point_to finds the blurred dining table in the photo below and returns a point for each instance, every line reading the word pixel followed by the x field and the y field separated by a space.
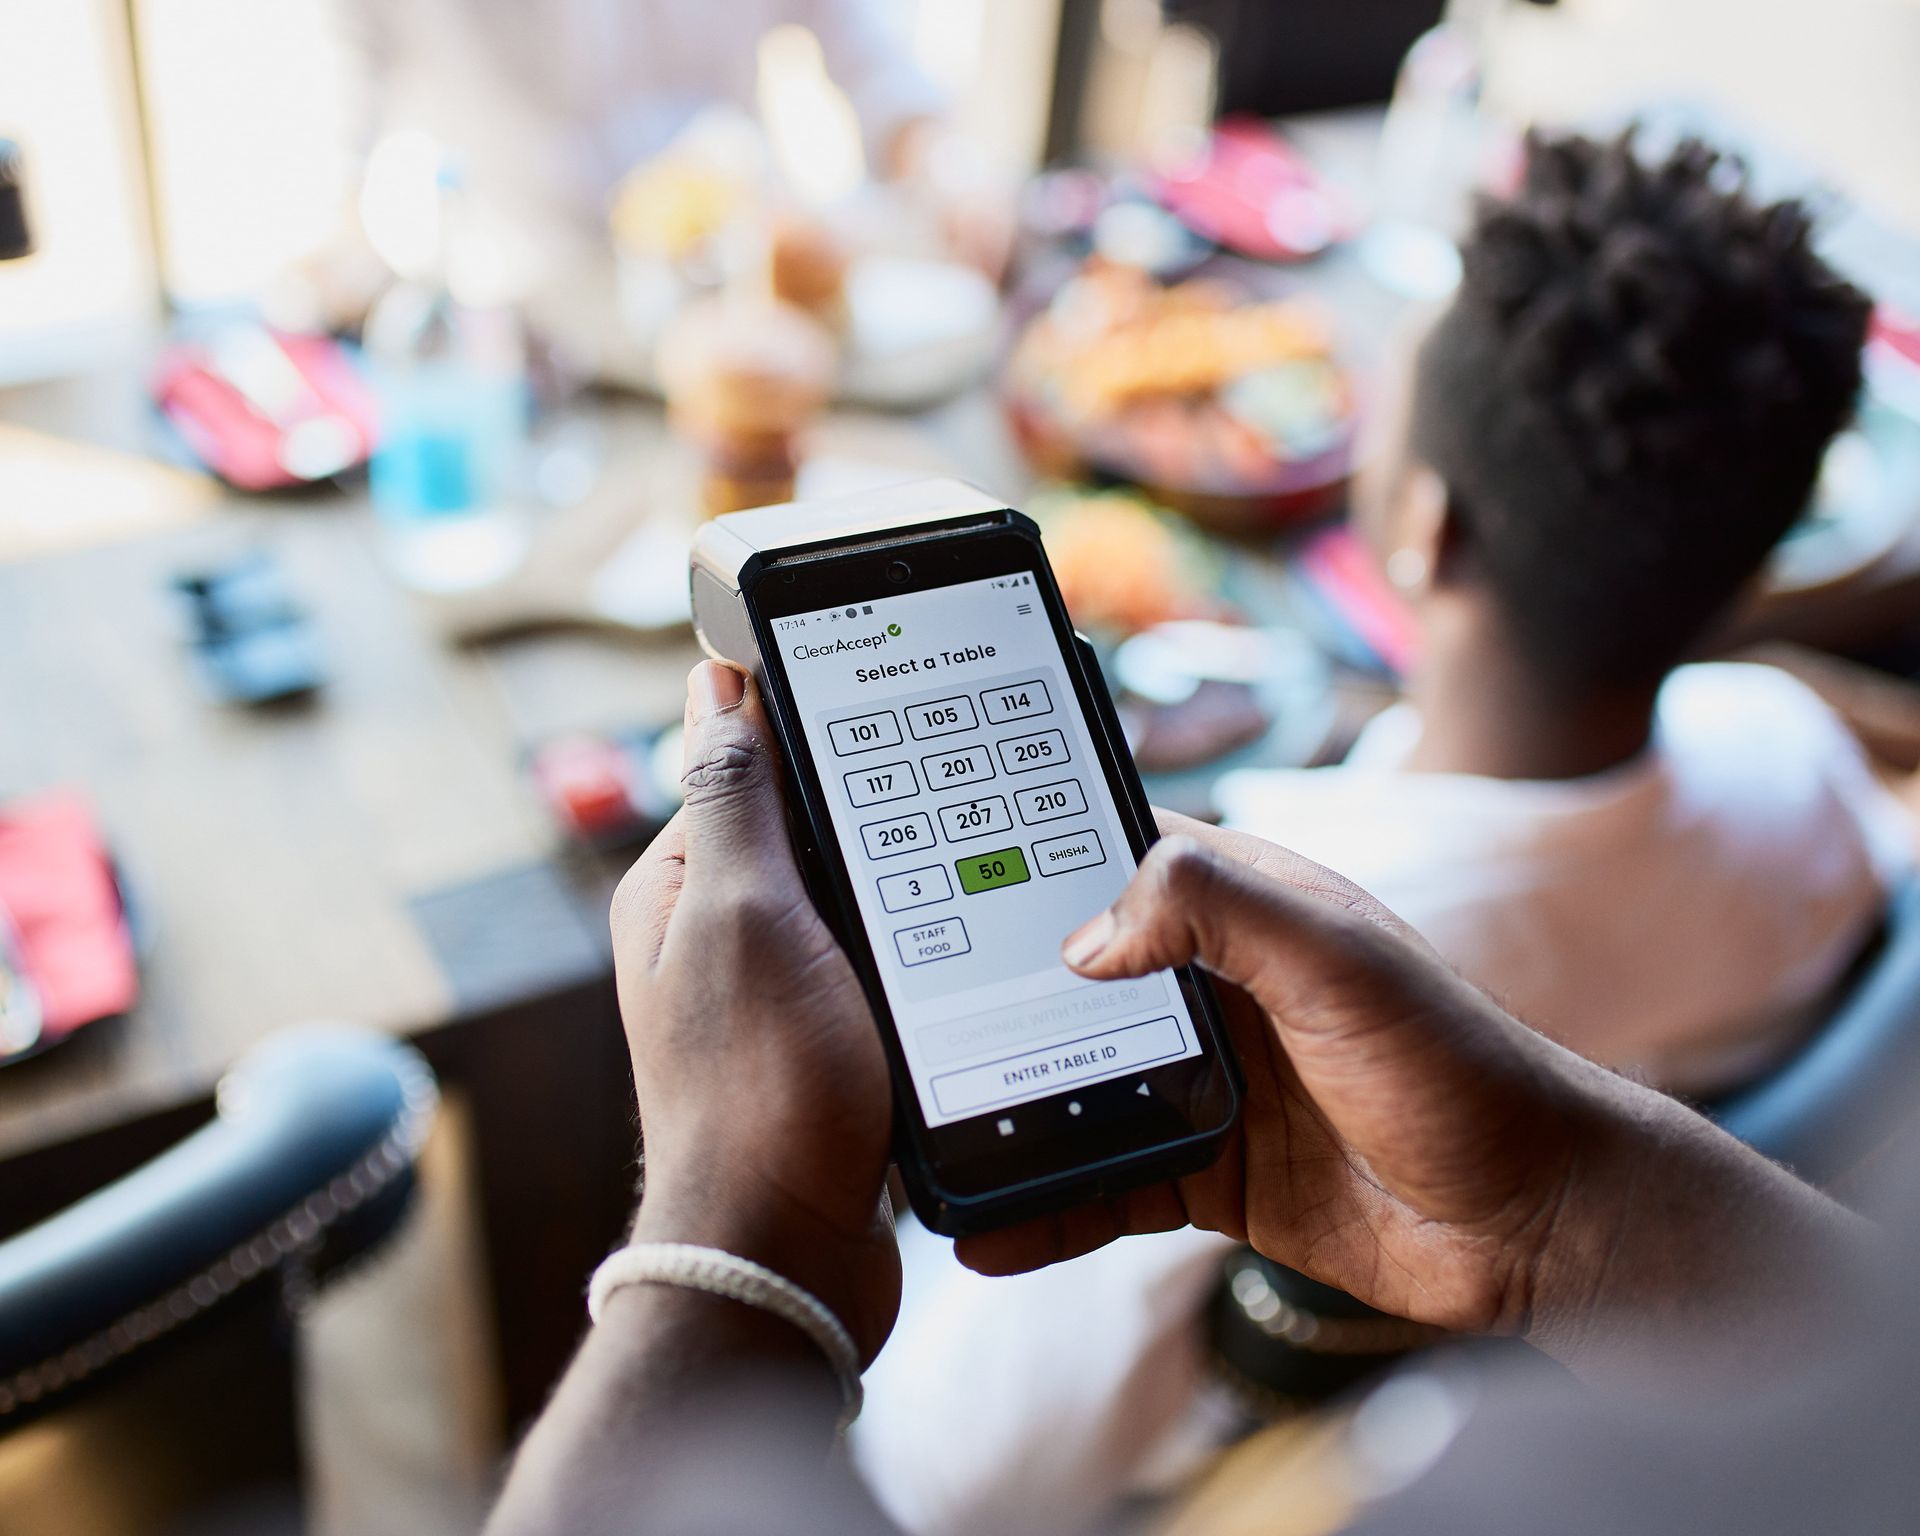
pixel 377 854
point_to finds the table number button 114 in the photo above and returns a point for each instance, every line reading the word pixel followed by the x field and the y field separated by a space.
pixel 1016 701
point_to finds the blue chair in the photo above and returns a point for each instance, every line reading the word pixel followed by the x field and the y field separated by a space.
pixel 146 1346
pixel 1832 1105
pixel 1822 1113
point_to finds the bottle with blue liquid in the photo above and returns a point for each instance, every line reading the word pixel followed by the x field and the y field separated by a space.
pixel 448 475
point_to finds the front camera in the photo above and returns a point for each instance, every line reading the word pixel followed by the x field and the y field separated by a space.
pixel 898 572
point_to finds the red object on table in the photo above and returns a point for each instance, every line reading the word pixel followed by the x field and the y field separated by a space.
pixel 1898 334
pixel 1254 193
pixel 57 887
pixel 588 783
pixel 1348 578
pixel 266 409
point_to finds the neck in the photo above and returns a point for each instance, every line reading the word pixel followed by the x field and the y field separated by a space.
pixel 1483 712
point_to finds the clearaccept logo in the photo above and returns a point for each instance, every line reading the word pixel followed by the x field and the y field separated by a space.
pixel 805 652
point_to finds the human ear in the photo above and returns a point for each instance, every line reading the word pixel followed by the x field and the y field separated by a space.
pixel 1422 530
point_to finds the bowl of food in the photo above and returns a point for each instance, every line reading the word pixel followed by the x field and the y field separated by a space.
pixel 1234 410
pixel 1124 564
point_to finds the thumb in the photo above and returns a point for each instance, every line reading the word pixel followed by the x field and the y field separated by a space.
pixel 735 815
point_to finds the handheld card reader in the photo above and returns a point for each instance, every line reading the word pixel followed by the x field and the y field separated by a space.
pixel 961 800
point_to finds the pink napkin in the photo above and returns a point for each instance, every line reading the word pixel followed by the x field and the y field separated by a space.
pixel 58 891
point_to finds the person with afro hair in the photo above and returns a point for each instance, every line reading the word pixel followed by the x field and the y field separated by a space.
pixel 1671 866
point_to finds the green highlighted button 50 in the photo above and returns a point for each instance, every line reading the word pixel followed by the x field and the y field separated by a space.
pixel 989 871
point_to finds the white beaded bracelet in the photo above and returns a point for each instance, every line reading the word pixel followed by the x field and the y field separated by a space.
pixel 719 1273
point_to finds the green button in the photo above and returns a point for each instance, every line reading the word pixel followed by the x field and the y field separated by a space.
pixel 989 871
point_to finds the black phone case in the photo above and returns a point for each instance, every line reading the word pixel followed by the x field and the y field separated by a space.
pixel 944 1210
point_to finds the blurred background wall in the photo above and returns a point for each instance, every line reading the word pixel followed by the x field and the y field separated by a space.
pixel 1837 81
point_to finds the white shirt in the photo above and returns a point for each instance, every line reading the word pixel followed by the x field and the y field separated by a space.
pixel 1686 914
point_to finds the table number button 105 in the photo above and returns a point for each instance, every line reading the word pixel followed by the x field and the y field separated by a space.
pixel 941 717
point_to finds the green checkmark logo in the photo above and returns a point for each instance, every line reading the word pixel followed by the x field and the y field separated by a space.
pixel 893 629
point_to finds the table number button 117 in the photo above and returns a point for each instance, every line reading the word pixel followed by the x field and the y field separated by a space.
pixel 880 783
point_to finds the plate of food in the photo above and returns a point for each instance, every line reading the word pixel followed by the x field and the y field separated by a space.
pixel 1125 565
pixel 1233 409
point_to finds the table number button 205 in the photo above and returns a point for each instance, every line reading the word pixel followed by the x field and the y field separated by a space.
pixel 1027 754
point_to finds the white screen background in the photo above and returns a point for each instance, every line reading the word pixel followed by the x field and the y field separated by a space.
pixel 964 766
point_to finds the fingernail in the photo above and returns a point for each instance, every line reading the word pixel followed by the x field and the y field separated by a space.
pixel 1087 942
pixel 713 689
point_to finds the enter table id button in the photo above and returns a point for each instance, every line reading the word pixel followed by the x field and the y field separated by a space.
pixel 1032 1074
pixel 1061 855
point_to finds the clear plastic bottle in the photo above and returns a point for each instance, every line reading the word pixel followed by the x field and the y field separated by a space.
pixel 1433 152
pixel 448 475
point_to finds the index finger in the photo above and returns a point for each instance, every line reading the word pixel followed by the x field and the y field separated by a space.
pixel 1289 868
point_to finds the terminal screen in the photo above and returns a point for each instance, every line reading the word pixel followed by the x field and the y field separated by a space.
pixel 978 830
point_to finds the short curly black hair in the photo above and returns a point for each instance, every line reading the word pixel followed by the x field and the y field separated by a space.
pixel 1629 397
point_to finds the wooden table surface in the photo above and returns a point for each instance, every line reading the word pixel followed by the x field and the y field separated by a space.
pixel 278 857
pixel 374 856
